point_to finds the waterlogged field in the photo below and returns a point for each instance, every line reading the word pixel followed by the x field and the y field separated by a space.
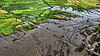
pixel 16 15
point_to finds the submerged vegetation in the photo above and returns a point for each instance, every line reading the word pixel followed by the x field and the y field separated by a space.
pixel 17 15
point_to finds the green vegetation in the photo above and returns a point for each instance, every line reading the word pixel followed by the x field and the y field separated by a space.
pixel 98 27
pixel 14 12
pixel 76 4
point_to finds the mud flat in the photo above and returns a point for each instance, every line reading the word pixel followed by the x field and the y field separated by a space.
pixel 54 38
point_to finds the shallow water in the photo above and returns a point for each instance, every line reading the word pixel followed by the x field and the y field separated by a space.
pixel 85 13
pixel 93 15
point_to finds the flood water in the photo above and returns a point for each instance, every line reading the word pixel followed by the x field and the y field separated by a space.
pixel 92 15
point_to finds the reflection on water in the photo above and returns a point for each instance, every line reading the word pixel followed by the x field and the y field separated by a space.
pixel 94 12
pixel 92 15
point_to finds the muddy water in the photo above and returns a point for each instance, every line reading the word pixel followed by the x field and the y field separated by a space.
pixel 53 38
pixel 92 15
